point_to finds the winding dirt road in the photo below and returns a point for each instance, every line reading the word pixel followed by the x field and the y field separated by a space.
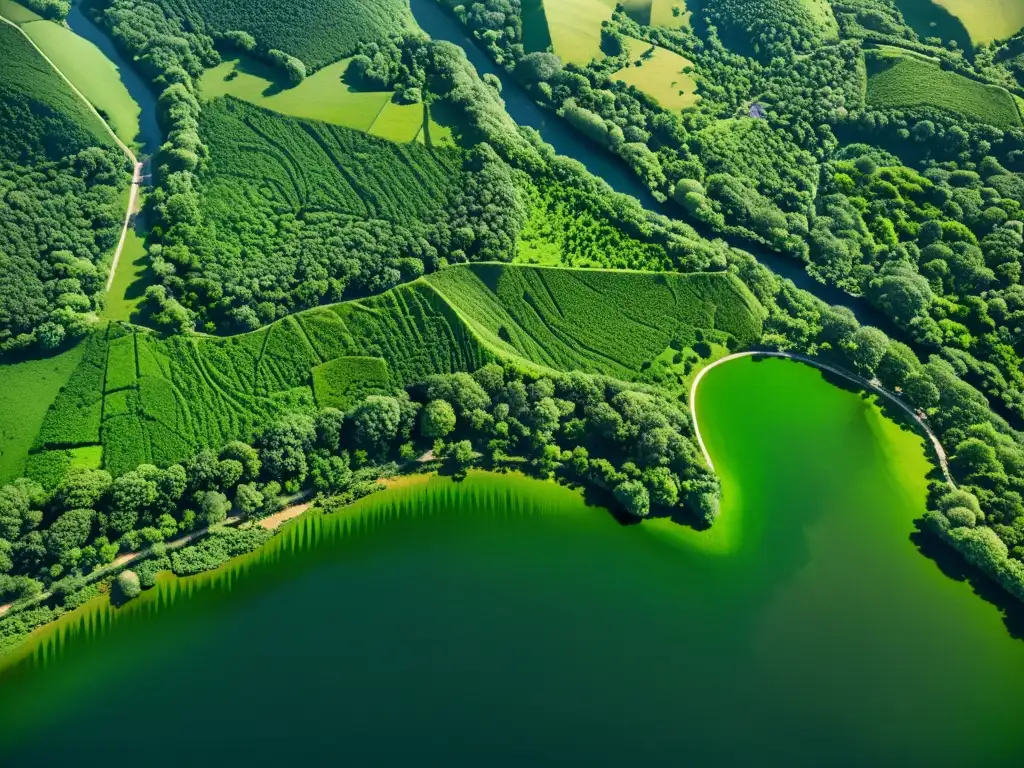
pixel 940 452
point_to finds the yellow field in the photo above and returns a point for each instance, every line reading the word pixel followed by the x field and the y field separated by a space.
pixel 575 27
pixel 987 20
pixel 660 75
pixel 662 16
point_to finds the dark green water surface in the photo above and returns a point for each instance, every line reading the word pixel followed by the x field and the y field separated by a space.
pixel 503 621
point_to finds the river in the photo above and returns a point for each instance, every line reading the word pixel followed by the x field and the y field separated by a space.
pixel 503 621
pixel 440 25
pixel 150 136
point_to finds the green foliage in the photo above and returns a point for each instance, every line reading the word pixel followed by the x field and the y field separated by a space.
pixel 293 213
pixel 438 419
pixel 217 548
pixel 774 27
pixel 121 368
pixel 329 30
pixel 901 82
pixel 128 584
pixel 61 204
pixel 344 381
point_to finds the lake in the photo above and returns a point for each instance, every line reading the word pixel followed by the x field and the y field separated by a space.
pixel 502 620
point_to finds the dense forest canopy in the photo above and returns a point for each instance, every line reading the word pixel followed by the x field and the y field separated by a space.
pixel 61 186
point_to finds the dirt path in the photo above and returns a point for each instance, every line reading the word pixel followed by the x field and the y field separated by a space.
pixel 136 174
pixel 849 376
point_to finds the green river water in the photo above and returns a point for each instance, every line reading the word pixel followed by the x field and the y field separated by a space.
pixel 502 620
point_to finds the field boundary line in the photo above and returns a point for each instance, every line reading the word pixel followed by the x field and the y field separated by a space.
pixel 940 452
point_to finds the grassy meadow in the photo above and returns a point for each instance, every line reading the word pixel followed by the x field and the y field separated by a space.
pixel 900 82
pixel 322 96
pixel 29 387
pixel 987 20
pixel 658 72
pixel 574 27
pixel 84 65
pixel 671 14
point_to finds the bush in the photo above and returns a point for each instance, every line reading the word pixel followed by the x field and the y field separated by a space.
pixel 128 585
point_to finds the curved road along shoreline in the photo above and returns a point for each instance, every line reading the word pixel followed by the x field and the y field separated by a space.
pixel 940 452
pixel 136 173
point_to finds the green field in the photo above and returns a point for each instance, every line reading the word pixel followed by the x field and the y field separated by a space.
pixel 658 72
pixel 322 96
pixel 91 72
pixel 987 20
pixel 17 13
pixel 157 400
pixel 130 281
pixel 902 82
pixel 664 14
pixel 574 27
pixel 28 389
pixel 344 381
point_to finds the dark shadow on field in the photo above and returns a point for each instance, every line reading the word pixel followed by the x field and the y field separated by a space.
pixel 929 19
pixel 444 114
pixel 536 35
pixel 251 66
pixel 953 565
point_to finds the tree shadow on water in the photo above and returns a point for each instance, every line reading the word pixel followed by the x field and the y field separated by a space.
pixel 953 566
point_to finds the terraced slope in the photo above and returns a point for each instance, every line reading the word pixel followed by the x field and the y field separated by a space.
pixel 146 399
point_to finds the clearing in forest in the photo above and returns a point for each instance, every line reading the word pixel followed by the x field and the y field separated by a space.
pixel 322 96
pixel 658 72
pixel 899 81
pixel 671 14
pixel 574 27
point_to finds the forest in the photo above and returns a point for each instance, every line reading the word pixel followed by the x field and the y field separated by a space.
pixel 62 182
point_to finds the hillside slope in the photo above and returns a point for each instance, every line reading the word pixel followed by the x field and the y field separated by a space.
pixel 146 399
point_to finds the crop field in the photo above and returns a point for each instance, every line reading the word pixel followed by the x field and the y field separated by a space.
pixel 987 20
pixel 400 123
pixel 91 72
pixel 902 82
pixel 29 88
pixel 600 321
pixel 658 72
pixel 28 389
pixel 983 20
pixel 147 399
pixel 330 29
pixel 671 14
pixel 344 381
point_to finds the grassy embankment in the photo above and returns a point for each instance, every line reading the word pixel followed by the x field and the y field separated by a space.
pixel 146 399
